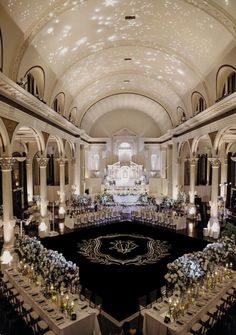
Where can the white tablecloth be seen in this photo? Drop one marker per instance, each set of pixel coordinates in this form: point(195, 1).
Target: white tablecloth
point(154, 319)
point(86, 323)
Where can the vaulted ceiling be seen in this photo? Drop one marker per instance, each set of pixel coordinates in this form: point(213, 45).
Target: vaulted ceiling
point(140, 55)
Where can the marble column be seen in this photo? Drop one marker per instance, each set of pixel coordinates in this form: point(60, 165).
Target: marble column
point(76, 170)
point(62, 162)
point(8, 222)
point(223, 178)
point(169, 170)
point(215, 163)
point(29, 174)
point(43, 186)
point(193, 163)
point(163, 163)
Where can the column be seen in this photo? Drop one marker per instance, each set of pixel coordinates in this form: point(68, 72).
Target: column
point(193, 162)
point(76, 169)
point(169, 170)
point(43, 186)
point(223, 178)
point(29, 174)
point(62, 162)
point(8, 224)
point(163, 163)
point(215, 163)
point(175, 171)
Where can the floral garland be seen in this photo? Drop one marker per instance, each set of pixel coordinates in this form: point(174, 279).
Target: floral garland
point(189, 269)
point(49, 264)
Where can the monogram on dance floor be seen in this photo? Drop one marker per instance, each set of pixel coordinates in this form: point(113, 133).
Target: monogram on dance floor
point(124, 249)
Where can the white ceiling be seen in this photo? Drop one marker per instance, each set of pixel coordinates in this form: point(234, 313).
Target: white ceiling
point(172, 45)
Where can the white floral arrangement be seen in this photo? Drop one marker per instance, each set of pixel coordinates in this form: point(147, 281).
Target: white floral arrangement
point(49, 264)
point(188, 269)
point(221, 251)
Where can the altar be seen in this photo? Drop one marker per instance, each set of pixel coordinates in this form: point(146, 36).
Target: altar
point(125, 174)
point(128, 199)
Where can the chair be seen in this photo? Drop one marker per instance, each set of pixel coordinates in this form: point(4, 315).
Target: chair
point(98, 302)
point(205, 322)
point(213, 313)
point(152, 296)
point(26, 310)
point(142, 302)
point(87, 294)
point(196, 329)
point(41, 327)
point(34, 319)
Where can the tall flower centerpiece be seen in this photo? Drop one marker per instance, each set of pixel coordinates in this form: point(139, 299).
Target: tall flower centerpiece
point(50, 265)
point(190, 269)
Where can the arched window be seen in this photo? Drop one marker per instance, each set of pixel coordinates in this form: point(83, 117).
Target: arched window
point(198, 103)
point(181, 115)
point(72, 115)
point(225, 81)
point(59, 103)
point(34, 82)
point(125, 152)
point(1, 52)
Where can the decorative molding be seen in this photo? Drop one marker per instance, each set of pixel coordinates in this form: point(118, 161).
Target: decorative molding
point(10, 126)
point(215, 162)
point(45, 136)
point(193, 161)
point(7, 163)
point(61, 161)
point(42, 162)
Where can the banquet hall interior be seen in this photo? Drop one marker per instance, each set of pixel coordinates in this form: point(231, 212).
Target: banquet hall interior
point(117, 167)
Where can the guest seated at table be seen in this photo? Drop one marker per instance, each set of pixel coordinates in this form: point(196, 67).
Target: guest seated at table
point(127, 329)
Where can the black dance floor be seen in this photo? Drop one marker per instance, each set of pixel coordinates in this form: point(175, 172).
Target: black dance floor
point(122, 261)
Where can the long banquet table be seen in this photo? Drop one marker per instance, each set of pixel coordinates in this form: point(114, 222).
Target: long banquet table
point(154, 317)
point(86, 322)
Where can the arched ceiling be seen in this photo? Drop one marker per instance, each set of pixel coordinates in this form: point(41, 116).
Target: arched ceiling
point(158, 49)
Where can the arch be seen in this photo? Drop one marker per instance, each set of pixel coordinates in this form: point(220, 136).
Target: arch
point(103, 106)
point(59, 143)
point(34, 81)
point(184, 146)
point(219, 139)
point(26, 134)
point(58, 104)
point(4, 140)
point(198, 103)
point(206, 140)
point(1, 51)
point(225, 81)
point(231, 147)
point(69, 149)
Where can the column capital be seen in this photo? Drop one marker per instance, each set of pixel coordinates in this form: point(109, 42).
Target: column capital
point(42, 161)
point(7, 163)
point(28, 161)
point(193, 161)
point(61, 160)
point(224, 161)
point(215, 162)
